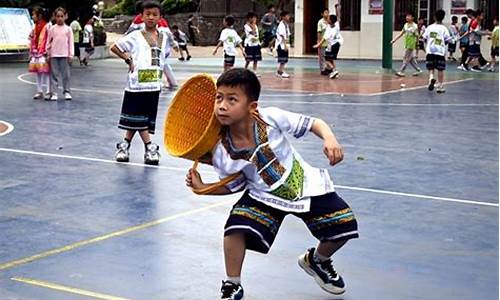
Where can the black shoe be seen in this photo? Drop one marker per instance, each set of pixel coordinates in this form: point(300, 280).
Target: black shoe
point(324, 274)
point(231, 291)
point(181, 58)
point(188, 57)
point(326, 72)
point(432, 82)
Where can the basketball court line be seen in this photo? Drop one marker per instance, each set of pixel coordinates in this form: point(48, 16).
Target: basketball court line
point(70, 247)
point(411, 195)
point(100, 91)
point(67, 289)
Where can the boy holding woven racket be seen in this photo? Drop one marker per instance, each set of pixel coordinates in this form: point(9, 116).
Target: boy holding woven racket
point(276, 181)
point(144, 51)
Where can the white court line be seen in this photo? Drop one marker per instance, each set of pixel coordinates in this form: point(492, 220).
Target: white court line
point(464, 201)
point(10, 127)
point(418, 87)
point(20, 77)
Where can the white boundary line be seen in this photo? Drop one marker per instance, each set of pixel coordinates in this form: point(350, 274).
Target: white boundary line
point(264, 96)
point(10, 127)
point(463, 201)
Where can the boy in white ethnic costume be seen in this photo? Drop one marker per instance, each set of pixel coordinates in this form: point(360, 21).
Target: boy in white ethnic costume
point(276, 180)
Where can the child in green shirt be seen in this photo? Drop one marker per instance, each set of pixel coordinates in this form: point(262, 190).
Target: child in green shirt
point(410, 31)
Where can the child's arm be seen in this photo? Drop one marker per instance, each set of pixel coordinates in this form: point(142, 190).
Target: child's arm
point(319, 43)
point(242, 50)
point(331, 147)
point(123, 55)
point(219, 44)
point(193, 180)
point(398, 37)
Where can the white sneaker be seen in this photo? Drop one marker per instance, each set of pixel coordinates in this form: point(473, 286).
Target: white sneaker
point(335, 74)
point(417, 73)
point(461, 67)
point(440, 89)
point(53, 97)
point(67, 96)
point(285, 75)
point(400, 74)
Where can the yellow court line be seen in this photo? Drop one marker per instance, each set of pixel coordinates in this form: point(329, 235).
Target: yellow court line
point(69, 247)
point(72, 290)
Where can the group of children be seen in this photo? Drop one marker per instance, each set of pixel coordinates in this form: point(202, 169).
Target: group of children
point(251, 46)
point(276, 179)
point(440, 40)
point(53, 44)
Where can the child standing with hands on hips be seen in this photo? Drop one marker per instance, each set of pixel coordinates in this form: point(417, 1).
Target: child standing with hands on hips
point(144, 53)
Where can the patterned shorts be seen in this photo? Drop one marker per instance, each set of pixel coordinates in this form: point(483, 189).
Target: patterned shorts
point(229, 60)
point(330, 218)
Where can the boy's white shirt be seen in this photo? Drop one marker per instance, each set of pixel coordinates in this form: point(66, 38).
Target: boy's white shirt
point(230, 39)
point(182, 38)
point(136, 45)
point(251, 39)
point(436, 36)
point(315, 181)
point(88, 32)
point(282, 34)
point(333, 36)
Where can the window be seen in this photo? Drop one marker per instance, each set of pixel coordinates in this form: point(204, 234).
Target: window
point(350, 15)
point(401, 8)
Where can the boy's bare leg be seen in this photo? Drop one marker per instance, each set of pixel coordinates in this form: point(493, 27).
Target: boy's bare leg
point(328, 248)
point(146, 138)
point(255, 66)
point(281, 67)
point(440, 77)
point(129, 134)
point(234, 253)
point(246, 64)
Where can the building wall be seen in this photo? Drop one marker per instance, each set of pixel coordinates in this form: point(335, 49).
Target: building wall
point(367, 43)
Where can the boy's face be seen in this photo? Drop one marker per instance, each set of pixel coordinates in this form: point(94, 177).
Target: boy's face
point(34, 16)
point(495, 22)
point(409, 18)
point(253, 20)
point(286, 18)
point(232, 105)
point(151, 16)
point(326, 13)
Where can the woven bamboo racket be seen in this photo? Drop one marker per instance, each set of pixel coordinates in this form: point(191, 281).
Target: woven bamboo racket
point(191, 128)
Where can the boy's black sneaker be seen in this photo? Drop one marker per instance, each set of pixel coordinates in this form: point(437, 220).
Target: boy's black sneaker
point(181, 58)
point(324, 274)
point(188, 57)
point(432, 82)
point(231, 291)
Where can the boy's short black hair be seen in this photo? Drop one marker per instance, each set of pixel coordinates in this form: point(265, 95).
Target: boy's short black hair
point(469, 11)
point(454, 18)
point(333, 18)
point(150, 4)
point(229, 20)
point(479, 12)
point(175, 27)
point(284, 13)
point(250, 15)
point(439, 15)
point(465, 19)
point(270, 6)
point(409, 13)
point(243, 78)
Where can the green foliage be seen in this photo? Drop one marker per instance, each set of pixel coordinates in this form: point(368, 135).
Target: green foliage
point(171, 7)
point(122, 7)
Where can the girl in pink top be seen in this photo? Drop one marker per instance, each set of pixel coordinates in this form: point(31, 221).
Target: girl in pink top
point(38, 56)
point(60, 50)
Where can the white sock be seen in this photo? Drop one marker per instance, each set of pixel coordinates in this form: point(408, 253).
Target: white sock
point(318, 258)
point(235, 280)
